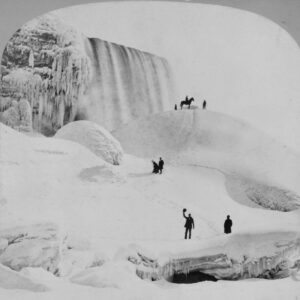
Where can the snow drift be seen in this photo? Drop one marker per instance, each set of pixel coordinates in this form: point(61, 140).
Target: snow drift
point(95, 138)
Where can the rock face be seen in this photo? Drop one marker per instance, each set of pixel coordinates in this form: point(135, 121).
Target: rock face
point(66, 76)
point(95, 138)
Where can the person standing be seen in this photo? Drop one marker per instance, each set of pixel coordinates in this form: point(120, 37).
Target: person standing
point(161, 165)
point(204, 104)
point(189, 225)
point(227, 225)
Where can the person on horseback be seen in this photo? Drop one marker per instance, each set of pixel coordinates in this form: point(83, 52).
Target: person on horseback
point(189, 224)
point(187, 101)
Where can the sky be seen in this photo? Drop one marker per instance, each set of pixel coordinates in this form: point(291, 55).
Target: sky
point(243, 64)
point(14, 13)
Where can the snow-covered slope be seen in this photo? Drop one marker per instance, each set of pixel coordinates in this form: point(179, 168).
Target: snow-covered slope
point(247, 157)
point(107, 215)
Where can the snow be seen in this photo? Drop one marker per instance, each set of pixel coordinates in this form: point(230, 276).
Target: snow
point(80, 226)
point(97, 139)
point(13, 280)
point(76, 225)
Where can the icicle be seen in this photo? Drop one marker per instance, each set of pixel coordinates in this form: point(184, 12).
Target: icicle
point(31, 59)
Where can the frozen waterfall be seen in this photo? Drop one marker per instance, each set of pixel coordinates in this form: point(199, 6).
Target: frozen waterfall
point(126, 84)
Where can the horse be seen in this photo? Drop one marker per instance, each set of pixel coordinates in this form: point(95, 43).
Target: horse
point(187, 102)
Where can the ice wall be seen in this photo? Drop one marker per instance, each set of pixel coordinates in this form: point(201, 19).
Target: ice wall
point(126, 84)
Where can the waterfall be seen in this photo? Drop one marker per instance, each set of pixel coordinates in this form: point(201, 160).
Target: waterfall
point(126, 84)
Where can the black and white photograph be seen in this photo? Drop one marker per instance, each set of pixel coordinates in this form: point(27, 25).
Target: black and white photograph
point(150, 150)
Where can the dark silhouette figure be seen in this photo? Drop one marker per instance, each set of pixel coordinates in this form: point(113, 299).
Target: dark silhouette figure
point(155, 167)
point(189, 224)
point(227, 225)
point(160, 165)
point(186, 102)
point(175, 107)
point(204, 104)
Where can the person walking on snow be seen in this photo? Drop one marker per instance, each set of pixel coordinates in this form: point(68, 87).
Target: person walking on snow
point(161, 165)
point(204, 104)
point(189, 224)
point(227, 225)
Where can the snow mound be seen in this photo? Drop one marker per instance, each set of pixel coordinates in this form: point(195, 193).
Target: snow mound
point(95, 138)
point(12, 280)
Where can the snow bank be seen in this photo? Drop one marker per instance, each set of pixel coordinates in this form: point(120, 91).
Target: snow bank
point(95, 138)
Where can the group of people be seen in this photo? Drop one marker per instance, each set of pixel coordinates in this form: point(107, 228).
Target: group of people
point(189, 225)
point(158, 167)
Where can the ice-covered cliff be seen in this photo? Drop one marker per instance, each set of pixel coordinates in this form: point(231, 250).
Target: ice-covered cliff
point(66, 76)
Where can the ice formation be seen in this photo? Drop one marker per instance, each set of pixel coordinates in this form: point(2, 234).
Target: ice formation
point(18, 116)
point(95, 138)
point(45, 64)
point(38, 245)
point(225, 265)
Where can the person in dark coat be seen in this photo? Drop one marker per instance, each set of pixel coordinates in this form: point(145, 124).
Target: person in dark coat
point(175, 107)
point(204, 104)
point(227, 225)
point(161, 165)
point(155, 167)
point(189, 224)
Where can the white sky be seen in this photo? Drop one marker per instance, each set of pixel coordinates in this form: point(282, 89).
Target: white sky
point(241, 63)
